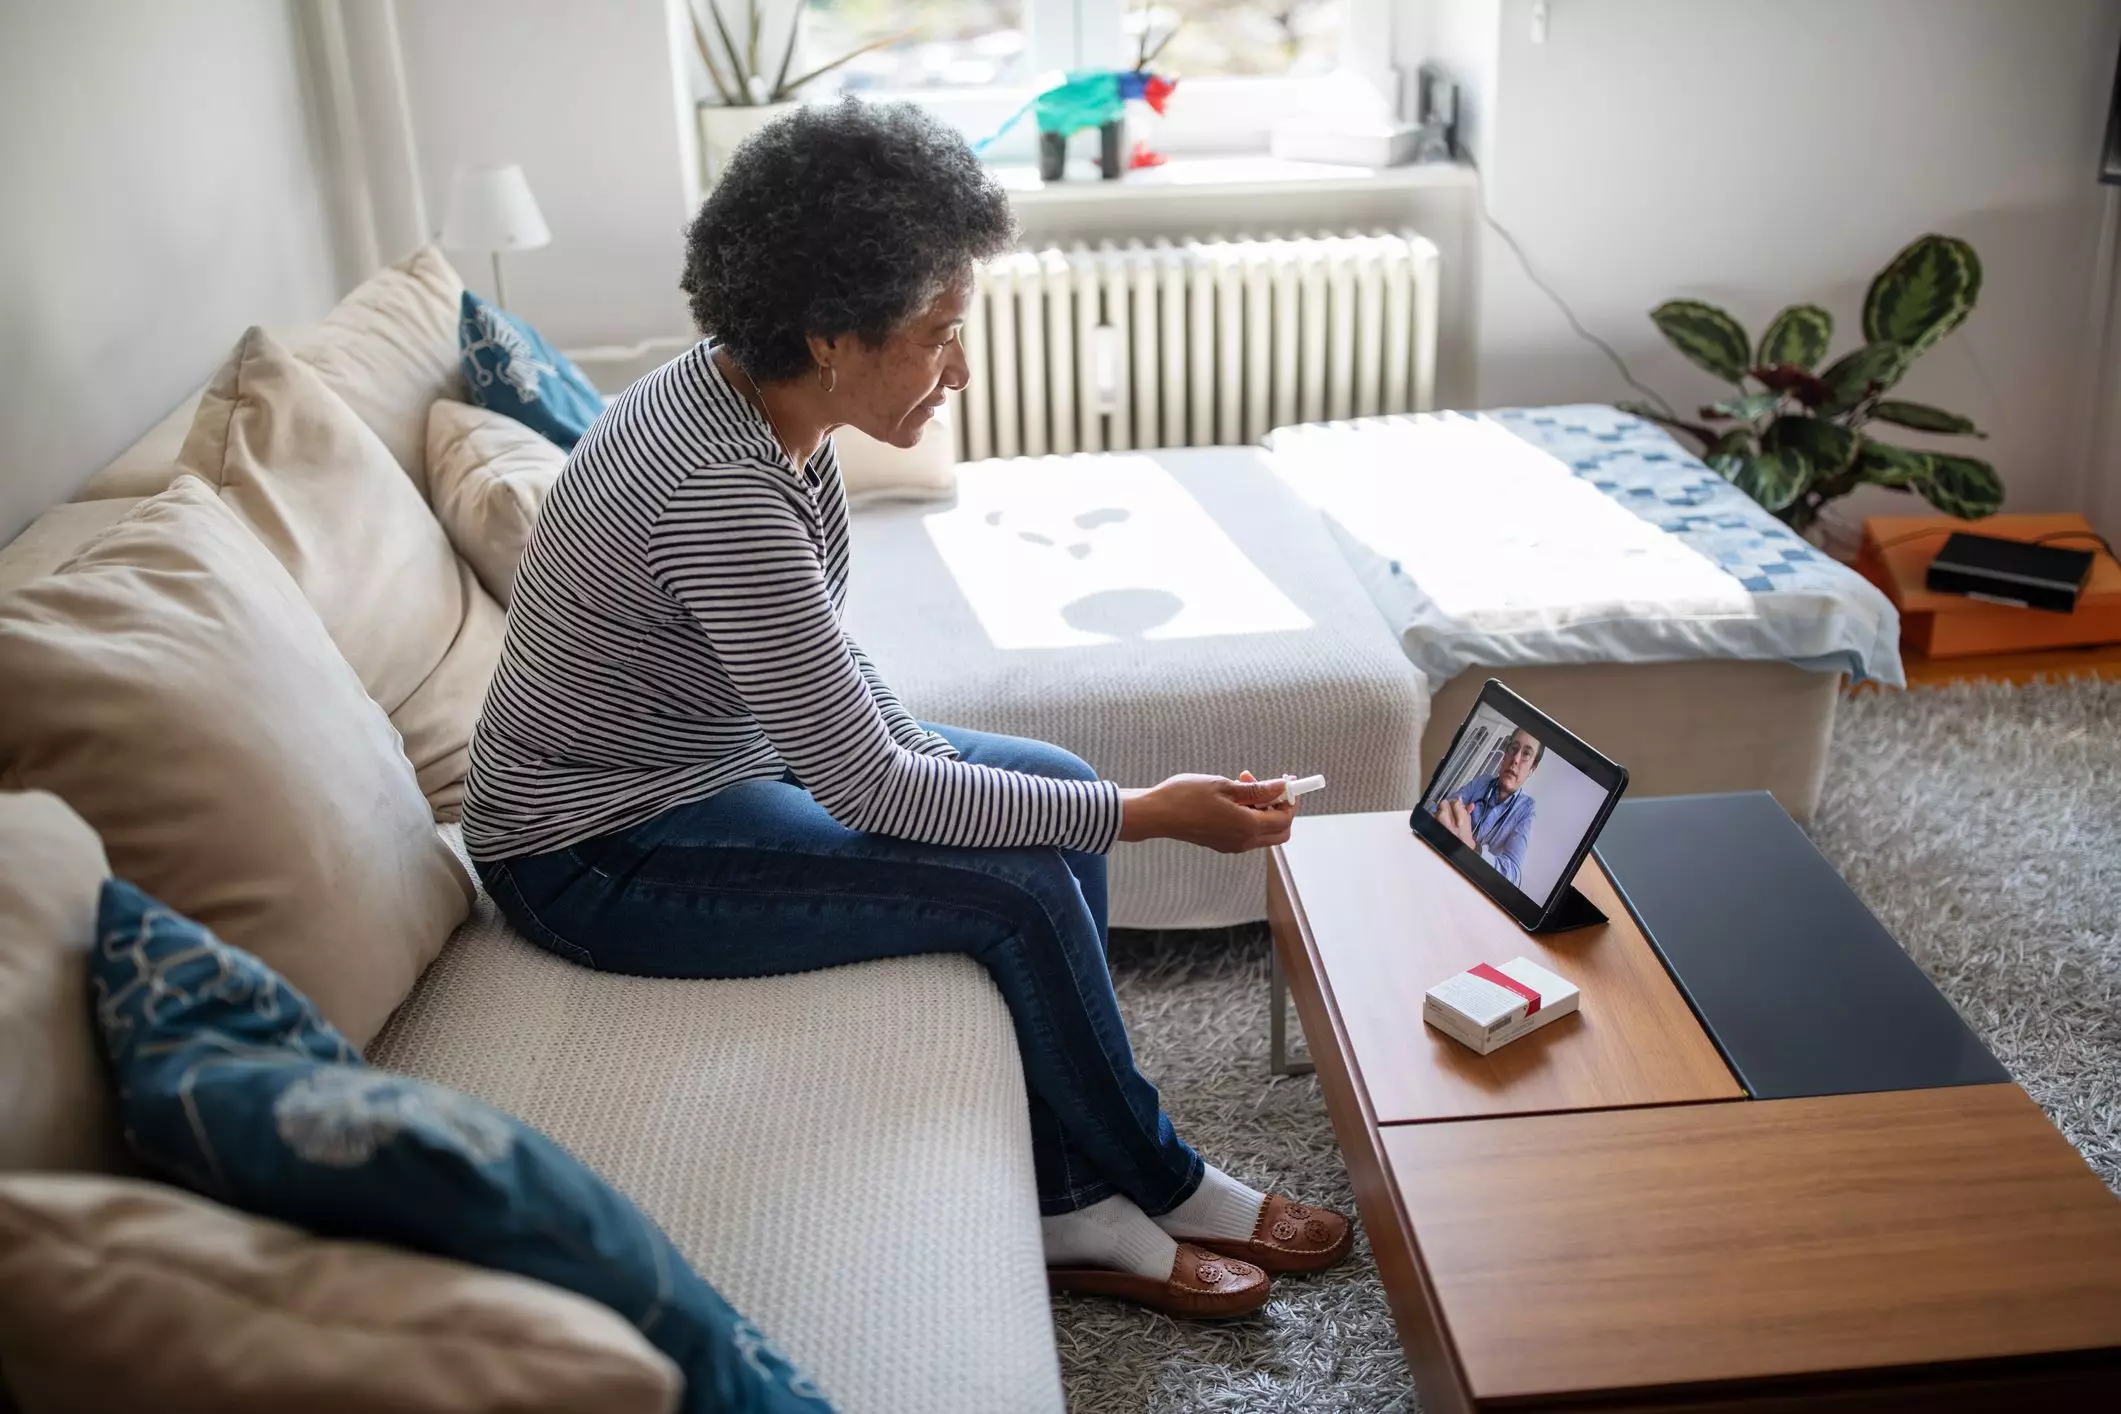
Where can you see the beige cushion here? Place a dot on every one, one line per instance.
(390, 349)
(878, 471)
(148, 465)
(53, 538)
(324, 495)
(118, 1295)
(490, 476)
(191, 707)
(54, 1111)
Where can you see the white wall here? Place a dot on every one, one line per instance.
(162, 191)
(1755, 155)
(585, 97)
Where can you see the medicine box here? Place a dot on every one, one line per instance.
(1489, 1006)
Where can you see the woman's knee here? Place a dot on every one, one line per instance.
(1018, 753)
(1062, 763)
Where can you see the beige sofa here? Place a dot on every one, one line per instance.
(844, 1154)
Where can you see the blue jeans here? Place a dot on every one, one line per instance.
(757, 879)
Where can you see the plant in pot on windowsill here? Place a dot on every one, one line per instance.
(1794, 439)
(748, 98)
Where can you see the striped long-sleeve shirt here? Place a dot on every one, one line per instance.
(675, 627)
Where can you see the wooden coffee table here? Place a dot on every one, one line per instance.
(1597, 1217)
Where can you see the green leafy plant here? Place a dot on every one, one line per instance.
(738, 76)
(1795, 435)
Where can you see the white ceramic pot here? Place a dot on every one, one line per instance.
(723, 130)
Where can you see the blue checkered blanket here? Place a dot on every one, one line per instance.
(1573, 534)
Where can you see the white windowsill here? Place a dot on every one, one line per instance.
(1223, 175)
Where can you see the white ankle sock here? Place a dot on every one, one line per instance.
(1113, 1233)
(1221, 1208)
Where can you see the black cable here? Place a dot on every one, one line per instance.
(2104, 543)
(1915, 535)
(1524, 263)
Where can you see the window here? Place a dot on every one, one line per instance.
(1243, 65)
(1241, 38)
(961, 43)
(984, 43)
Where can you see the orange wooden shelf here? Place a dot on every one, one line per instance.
(1896, 556)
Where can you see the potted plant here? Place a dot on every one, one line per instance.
(748, 99)
(1795, 439)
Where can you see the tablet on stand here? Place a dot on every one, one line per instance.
(1515, 804)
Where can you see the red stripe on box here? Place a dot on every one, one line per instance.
(1504, 979)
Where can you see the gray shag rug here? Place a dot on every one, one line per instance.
(1981, 824)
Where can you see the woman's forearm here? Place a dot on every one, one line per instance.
(1229, 816)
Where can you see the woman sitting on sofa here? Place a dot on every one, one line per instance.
(686, 768)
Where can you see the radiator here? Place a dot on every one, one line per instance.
(1205, 343)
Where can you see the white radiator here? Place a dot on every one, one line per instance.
(1206, 343)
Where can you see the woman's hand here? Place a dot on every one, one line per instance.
(1224, 815)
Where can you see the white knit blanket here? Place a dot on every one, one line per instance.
(1531, 536)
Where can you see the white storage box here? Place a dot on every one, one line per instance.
(1489, 1006)
(1352, 141)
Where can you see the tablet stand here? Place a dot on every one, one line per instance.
(1573, 912)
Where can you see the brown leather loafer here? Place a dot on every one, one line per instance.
(1292, 1237)
(1202, 1285)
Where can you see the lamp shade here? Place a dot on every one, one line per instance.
(491, 208)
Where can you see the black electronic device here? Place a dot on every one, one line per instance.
(1514, 806)
(2015, 572)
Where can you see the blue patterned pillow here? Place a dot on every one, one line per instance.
(232, 1084)
(510, 368)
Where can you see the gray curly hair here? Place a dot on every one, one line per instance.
(846, 218)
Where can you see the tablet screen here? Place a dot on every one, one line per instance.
(1511, 797)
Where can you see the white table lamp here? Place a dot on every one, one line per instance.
(491, 209)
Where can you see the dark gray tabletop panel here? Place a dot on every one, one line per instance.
(1798, 984)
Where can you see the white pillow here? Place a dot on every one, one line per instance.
(489, 475)
(323, 493)
(878, 471)
(191, 707)
(390, 349)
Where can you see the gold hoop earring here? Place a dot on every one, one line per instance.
(822, 370)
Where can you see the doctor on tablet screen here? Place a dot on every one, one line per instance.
(1492, 813)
